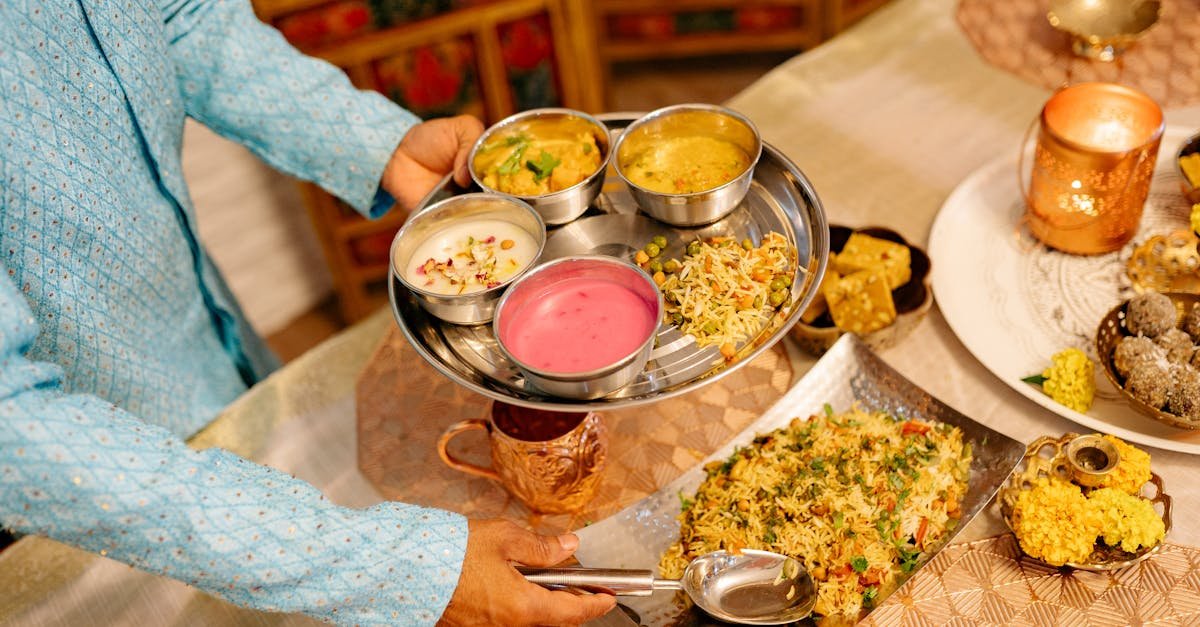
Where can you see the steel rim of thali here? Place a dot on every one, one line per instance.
(436, 342)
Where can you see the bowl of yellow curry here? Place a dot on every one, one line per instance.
(552, 158)
(689, 164)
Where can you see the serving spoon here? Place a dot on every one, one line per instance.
(748, 587)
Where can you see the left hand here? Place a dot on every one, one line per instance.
(427, 153)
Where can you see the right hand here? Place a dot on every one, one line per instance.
(491, 592)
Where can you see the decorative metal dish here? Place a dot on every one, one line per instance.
(913, 299)
(1071, 458)
(780, 199)
(637, 536)
(1111, 331)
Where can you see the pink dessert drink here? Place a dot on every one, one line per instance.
(579, 324)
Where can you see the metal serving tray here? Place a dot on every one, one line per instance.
(848, 373)
(780, 199)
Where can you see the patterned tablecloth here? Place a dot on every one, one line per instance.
(988, 582)
(1015, 36)
(648, 446)
(886, 119)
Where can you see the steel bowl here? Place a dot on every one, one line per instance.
(477, 307)
(564, 205)
(589, 384)
(689, 120)
(1102, 29)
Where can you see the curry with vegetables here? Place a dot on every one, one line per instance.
(539, 156)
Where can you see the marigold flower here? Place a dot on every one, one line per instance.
(1053, 522)
(1069, 380)
(1132, 471)
(1129, 521)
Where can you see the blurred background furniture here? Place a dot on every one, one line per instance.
(491, 58)
(435, 58)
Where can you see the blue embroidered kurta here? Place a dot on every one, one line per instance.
(118, 336)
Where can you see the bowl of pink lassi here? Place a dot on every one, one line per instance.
(580, 327)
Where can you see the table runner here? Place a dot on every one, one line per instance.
(988, 582)
(404, 404)
(1014, 35)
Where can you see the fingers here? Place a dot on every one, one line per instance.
(532, 549)
(564, 608)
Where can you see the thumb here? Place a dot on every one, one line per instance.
(532, 549)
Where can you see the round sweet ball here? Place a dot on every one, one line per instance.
(1177, 344)
(1195, 362)
(1191, 323)
(1149, 382)
(1133, 350)
(1149, 314)
(1184, 398)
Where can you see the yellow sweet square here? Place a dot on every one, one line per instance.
(818, 305)
(863, 252)
(861, 302)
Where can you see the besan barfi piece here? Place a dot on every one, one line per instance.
(861, 302)
(863, 252)
(818, 305)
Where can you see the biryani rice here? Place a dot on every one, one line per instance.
(860, 498)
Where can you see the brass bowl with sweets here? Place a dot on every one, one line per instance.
(1188, 162)
(552, 158)
(1089, 502)
(876, 286)
(1147, 347)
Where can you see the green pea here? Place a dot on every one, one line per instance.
(747, 244)
(655, 266)
(777, 298)
(693, 248)
(758, 300)
(672, 266)
(677, 318)
(659, 241)
(711, 327)
(778, 284)
(787, 279)
(652, 250)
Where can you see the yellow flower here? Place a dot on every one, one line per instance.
(1128, 521)
(1053, 522)
(1070, 379)
(1132, 472)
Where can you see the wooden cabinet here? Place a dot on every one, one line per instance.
(634, 29)
(435, 58)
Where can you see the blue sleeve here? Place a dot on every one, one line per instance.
(79, 470)
(241, 78)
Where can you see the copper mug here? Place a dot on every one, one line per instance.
(550, 460)
(1092, 167)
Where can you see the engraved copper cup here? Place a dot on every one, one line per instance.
(1092, 167)
(550, 460)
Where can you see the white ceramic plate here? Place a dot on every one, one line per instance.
(1014, 302)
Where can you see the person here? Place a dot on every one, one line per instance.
(118, 337)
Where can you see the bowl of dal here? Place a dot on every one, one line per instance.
(552, 158)
(689, 164)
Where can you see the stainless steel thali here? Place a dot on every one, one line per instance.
(780, 199)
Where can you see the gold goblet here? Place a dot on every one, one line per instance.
(1102, 29)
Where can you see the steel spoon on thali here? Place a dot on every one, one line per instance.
(748, 587)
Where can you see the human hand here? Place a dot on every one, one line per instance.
(491, 592)
(428, 152)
